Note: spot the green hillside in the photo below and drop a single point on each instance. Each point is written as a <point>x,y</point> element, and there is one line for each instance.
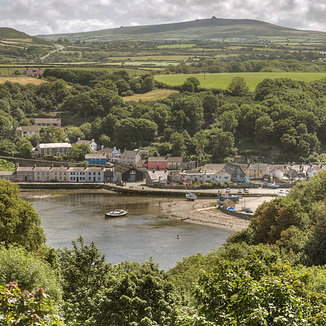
<point>10,33</point>
<point>213,29</point>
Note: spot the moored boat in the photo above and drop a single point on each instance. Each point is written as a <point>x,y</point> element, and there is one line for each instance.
<point>232,197</point>
<point>116,213</point>
<point>191,196</point>
<point>273,186</point>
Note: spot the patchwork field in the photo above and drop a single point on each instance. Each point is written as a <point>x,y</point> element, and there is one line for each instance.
<point>222,80</point>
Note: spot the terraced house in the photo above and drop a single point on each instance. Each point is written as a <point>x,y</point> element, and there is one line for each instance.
<point>61,174</point>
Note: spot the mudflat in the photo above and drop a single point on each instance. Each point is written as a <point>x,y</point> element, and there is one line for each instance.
<point>204,211</point>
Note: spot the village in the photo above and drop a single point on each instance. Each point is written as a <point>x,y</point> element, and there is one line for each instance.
<point>121,166</point>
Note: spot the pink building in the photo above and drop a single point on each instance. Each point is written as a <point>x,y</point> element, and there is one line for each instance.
<point>156,163</point>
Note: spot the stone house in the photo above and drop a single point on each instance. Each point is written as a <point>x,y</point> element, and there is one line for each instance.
<point>24,131</point>
<point>47,122</point>
<point>57,149</point>
<point>132,158</point>
<point>34,72</point>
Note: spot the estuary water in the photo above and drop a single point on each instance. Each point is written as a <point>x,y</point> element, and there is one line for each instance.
<point>142,234</point>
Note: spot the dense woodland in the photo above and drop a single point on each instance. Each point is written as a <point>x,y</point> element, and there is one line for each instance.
<point>283,120</point>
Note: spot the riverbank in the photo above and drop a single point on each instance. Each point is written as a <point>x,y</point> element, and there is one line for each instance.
<point>203,211</point>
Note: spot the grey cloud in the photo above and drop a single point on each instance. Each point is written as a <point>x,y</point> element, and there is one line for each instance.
<point>62,16</point>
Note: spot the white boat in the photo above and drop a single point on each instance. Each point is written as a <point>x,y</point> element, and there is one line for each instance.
<point>116,213</point>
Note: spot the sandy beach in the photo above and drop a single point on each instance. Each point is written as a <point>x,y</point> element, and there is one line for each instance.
<point>203,211</point>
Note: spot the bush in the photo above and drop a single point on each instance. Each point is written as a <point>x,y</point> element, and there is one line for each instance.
<point>50,157</point>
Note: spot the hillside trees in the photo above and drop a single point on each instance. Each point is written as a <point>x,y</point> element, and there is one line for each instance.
<point>294,222</point>
<point>19,223</point>
<point>140,294</point>
<point>257,291</point>
<point>84,273</point>
<point>131,133</point>
<point>30,271</point>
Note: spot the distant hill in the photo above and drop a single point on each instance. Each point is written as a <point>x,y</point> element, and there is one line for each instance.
<point>213,29</point>
<point>7,33</point>
<point>10,33</point>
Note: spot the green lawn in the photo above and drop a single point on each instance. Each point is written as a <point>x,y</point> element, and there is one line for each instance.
<point>223,80</point>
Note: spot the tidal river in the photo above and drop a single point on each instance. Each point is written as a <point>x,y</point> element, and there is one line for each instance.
<point>142,234</point>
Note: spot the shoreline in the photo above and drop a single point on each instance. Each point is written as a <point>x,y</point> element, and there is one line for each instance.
<point>204,212</point>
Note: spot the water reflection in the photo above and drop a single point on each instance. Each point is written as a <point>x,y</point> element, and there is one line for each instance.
<point>142,234</point>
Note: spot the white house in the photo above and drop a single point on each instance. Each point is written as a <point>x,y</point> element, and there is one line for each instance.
<point>91,143</point>
<point>206,177</point>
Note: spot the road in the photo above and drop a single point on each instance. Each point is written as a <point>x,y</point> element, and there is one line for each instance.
<point>58,49</point>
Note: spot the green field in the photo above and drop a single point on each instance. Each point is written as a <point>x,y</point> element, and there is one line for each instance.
<point>223,80</point>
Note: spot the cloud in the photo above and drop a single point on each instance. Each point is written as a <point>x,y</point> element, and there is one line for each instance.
<point>66,16</point>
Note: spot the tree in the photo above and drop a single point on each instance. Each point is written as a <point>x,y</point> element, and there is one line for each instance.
<point>122,86</point>
<point>264,128</point>
<point>210,105</point>
<point>19,222</point>
<point>147,85</point>
<point>229,121</point>
<point>139,295</point>
<point>105,140</point>
<point>84,274</point>
<point>78,151</point>
<point>257,290</point>
<point>29,271</point>
<point>74,133</point>
<point>24,148</point>
<point>238,87</point>
<point>222,144</point>
<point>133,133</point>
<point>178,144</point>
<point>187,86</point>
<point>53,134</point>
<point>5,125</point>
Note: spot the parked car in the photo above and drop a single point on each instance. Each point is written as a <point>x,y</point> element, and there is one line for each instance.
<point>239,191</point>
<point>246,191</point>
<point>228,190</point>
<point>16,180</point>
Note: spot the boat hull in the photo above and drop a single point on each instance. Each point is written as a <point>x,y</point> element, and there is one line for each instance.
<point>191,196</point>
<point>116,213</point>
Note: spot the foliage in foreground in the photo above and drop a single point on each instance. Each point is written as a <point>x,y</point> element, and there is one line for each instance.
<point>254,290</point>
<point>19,222</point>
<point>295,223</point>
<point>26,308</point>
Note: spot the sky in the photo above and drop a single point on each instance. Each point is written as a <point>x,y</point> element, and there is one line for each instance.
<point>36,17</point>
